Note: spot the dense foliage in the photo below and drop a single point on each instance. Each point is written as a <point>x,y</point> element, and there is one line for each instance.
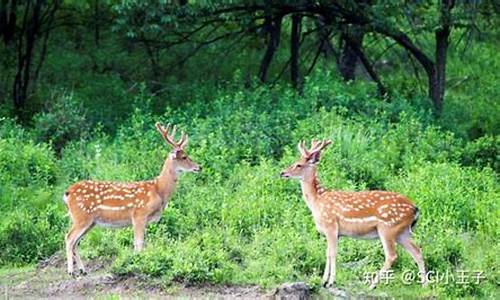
<point>99,94</point>
<point>238,222</point>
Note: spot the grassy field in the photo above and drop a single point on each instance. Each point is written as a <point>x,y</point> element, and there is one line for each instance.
<point>237,222</point>
<point>237,228</point>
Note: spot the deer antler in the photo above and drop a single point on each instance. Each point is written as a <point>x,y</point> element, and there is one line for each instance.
<point>316,146</point>
<point>170,138</point>
<point>302,148</point>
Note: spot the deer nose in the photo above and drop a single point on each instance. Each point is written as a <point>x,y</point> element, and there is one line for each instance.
<point>283,174</point>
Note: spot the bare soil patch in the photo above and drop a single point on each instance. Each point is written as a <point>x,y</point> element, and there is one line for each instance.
<point>50,280</point>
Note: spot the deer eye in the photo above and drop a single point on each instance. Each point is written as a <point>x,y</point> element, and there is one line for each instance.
<point>299,166</point>
<point>184,157</point>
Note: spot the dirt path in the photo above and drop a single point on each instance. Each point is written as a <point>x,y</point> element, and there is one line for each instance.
<point>49,280</point>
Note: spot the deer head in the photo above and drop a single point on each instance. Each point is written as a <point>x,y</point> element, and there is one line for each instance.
<point>181,162</point>
<point>308,160</point>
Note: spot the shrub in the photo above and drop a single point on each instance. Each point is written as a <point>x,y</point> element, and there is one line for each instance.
<point>27,237</point>
<point>197,259</point>
<point>62,122</point>
<point>483,152</point>
<point>451,196</point>
<point>23,163</point>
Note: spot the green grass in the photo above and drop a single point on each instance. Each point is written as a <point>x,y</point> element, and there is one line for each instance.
<point>237,222</point>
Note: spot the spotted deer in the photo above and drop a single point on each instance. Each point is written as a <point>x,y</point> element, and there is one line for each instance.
<point>116,204</point>
<point>387,216</point>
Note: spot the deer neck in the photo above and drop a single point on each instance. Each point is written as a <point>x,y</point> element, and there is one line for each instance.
<point>311,189</point>
<point>167,180</point>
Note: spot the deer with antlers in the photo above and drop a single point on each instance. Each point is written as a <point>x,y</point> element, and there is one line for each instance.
<point>387,216</point>
<point>116,204</point>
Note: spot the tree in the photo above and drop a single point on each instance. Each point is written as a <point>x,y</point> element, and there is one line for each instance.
<point>294,49</point>
<point>434,68</point>
<point>7,20</point>
<point>25,26</point>
<point>203,23</point>
<point>352,39</point>
<point>272,27</point>
<point>404,22</point>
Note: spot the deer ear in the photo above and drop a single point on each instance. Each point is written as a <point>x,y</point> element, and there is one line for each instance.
<point>174,153</point>
<point>314,158</point>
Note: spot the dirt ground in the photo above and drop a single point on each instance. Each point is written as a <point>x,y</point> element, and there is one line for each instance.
<point>50,280</point>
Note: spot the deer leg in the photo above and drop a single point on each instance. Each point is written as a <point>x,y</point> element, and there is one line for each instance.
<point>331,254</point>
<point>139,225</point>
<point>326,274</point>
<point>415,252</point>
<point>389,246</point>
<point>79,263</point>
<point>75,233</point>
<point>78,260</point>
<point>69,250</point>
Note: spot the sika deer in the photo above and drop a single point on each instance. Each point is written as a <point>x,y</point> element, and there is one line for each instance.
<point>387,216</point>
<point>116,204</point>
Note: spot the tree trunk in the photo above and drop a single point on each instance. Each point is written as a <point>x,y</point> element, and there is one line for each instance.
<point>97,31</point>
<point>326,47</point>
<point>28,34</point>
<point>371,71</point>
<point>294,48</point>
<point>45,40</point>
<point>352,38</point>
<point>273,28</point>
<point>438,84</point>
<point>23,75</point>
<point>8,20</point>
<point>437,80</point>
<point>435,83</point>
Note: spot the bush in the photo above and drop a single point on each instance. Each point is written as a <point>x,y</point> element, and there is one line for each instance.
<point>28,174</point>
<point>23,163</point>
<point>62,122</point>
<point>483,152</point>
<point>198,259</point>
<point>452,197</point>
<point>21,233</point>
